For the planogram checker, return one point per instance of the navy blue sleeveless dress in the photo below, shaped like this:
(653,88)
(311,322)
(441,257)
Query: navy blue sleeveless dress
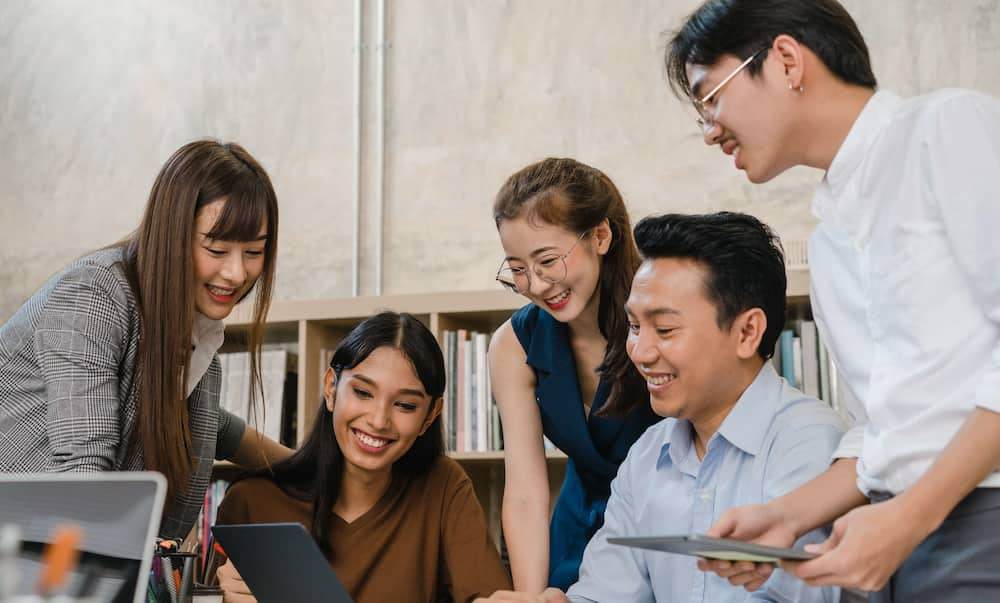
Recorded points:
(595,445)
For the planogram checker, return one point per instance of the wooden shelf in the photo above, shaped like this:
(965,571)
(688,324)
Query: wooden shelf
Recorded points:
(348,311)
(353,309)
(494,456)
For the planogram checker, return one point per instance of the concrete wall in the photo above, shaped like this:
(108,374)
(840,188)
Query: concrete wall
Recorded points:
(94,96)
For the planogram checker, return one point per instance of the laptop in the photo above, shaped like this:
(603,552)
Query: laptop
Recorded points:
(281,563)
(118,514)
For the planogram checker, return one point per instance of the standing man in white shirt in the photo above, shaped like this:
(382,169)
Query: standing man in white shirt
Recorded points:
(905,272)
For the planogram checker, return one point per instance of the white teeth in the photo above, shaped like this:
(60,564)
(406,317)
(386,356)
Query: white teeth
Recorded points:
(367,440)
(659,380)
(221,291)
(555,300)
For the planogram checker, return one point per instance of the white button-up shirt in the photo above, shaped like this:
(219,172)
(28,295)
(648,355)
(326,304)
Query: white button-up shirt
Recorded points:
(905,273)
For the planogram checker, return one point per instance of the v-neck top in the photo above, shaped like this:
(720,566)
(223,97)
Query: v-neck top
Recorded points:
(424,538)
(596,444)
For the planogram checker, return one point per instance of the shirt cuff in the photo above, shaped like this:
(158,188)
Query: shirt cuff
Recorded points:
(850,444)
(231,430)
(988,391)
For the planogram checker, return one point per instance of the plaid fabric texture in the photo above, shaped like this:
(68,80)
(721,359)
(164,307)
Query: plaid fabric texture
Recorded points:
(68,399)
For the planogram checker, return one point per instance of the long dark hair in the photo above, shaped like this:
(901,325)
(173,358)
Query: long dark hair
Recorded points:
(564,192)
(316,469)
(159,265)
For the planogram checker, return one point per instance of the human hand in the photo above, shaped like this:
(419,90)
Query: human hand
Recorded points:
(550,595)
(866,547)
(761,524)
(234,589)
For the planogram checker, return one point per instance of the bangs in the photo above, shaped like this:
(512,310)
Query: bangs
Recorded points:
(246,210)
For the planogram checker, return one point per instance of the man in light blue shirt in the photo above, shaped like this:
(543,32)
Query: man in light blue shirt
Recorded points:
(705,310)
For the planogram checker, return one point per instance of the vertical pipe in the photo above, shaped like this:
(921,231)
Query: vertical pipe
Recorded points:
(356,179)
(380,145)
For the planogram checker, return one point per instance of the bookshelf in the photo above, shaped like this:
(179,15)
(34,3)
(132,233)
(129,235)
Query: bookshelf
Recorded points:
(307,327)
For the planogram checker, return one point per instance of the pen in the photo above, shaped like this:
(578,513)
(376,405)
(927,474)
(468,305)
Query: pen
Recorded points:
(216,557)
(59,558)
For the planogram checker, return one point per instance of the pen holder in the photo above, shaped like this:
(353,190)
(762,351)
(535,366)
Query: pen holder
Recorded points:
(207,594)
(172,577)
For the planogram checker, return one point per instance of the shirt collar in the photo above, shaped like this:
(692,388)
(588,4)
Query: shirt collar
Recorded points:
(207,334)
(828,204)
(748,421)
(744,427)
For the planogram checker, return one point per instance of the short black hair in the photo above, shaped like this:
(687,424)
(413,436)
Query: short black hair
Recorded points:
(743,27)
(743,256)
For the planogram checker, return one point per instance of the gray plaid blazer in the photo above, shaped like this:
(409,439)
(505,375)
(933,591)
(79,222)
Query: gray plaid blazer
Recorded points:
(68,398)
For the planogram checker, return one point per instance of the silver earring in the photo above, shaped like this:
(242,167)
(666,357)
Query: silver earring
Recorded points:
(800,89)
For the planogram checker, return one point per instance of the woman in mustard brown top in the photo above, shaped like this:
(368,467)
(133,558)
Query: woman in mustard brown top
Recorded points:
(398,520)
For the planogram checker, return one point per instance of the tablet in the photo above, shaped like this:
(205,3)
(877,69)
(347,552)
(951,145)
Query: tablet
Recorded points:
(715,548)
(281,563)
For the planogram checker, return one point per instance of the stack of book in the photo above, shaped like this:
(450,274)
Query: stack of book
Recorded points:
(470,417)
(801,358)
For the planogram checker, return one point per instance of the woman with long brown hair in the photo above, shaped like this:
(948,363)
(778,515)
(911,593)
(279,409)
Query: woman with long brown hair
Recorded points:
(112,366)
(558,367)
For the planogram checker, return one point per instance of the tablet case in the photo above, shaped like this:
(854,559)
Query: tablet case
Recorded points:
(281,563)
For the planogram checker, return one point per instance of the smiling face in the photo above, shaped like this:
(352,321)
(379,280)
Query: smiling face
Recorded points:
(379,409)
(694,369)
(224,271)
(533,247)
(751,114)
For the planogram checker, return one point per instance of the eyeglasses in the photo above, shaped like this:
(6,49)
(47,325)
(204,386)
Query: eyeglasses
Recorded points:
(551,268)
(706,107)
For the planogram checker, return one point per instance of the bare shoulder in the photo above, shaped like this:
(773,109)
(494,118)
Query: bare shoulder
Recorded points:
(505,341)
(506,353)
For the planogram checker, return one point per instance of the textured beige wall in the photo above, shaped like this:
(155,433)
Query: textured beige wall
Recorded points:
(95,95)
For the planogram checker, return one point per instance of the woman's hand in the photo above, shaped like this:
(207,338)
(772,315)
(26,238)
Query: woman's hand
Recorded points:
(234,589)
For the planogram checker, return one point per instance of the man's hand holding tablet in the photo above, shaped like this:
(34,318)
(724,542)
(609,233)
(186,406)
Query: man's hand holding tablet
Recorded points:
(760,524)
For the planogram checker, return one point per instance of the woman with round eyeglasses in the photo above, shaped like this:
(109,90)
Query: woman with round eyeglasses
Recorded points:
(558,367)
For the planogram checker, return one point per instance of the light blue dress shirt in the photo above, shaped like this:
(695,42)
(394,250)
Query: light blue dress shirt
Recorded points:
(774,440)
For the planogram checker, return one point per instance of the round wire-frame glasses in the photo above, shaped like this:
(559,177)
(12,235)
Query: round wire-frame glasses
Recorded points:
(550,267)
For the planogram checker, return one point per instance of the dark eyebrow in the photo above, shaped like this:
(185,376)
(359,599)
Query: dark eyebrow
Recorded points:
(371,382)
(654,312)
(698,86)
(696,90)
